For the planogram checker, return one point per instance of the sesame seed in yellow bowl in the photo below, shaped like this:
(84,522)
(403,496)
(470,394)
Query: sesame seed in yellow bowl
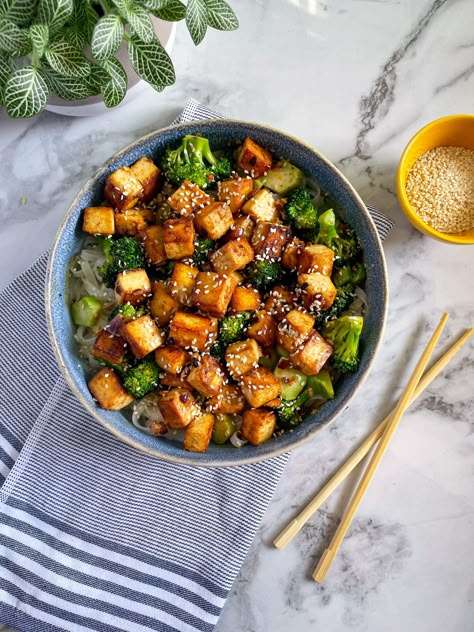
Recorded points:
(435,179)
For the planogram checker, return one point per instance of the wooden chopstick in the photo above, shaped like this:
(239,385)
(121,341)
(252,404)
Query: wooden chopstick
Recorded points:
(331,552)
(293,527)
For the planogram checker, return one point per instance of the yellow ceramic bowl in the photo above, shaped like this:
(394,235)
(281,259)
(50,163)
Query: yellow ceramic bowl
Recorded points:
(455,130)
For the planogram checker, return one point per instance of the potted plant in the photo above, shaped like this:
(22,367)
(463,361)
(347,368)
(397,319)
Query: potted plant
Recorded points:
(71,49)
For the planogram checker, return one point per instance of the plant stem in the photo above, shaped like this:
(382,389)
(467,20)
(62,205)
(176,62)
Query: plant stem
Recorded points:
(36,60)
(106,8)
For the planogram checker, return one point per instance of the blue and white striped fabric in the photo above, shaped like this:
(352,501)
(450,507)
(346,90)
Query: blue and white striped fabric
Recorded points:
(94,535)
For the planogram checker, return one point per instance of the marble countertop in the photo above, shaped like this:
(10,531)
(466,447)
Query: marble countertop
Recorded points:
(355,79)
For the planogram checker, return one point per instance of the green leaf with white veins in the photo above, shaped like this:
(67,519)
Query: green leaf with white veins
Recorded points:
(169,10)
(151,62)
(138,19)
(26,93)
(12,38)
(220,16)
(39,34)
(107,37)
(196,19)
(67,60)
(5,72)
(115,89)
(54,13)
(68,88)
(18,11)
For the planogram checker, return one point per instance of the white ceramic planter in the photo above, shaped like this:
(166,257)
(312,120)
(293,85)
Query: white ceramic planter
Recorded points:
(166,32)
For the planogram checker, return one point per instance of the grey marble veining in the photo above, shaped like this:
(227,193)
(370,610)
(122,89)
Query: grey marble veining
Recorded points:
(356,79)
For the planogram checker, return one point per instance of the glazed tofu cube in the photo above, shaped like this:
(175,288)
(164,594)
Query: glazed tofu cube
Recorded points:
(261,207)
(148,174)
(280,301)
(264,329)
(109,348)
(245,299)
(312,355)
(208,377)
(242,357)
(142,335)
(99,220)
(198,433)
(191,331)
(234,192)
(254,159)
(318,291)
(274,403)
(107,388)
(268,240)
(171,358)
(259,386)
(188,199)
(212,293)
(234,255)
(181,283)
(132,286)
(258,426)
(154,245)
(175,381)
(162,304)
(242,227)
(291,255)
(177,407)
(294,329)
(123,189)
(158,428)
(179,238)
(133,221)
(316,258)
(229,400)
(214,220)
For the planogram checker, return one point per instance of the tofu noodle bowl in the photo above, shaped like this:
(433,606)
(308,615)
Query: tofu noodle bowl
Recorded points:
(218,295)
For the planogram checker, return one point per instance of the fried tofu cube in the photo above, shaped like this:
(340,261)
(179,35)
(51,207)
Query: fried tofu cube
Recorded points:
(181,283)
(234,192)
(188,199)
(158,428)
(192,331)
(259,386)
(178,407)
(99,220)
(242,357)
(234,255)
(208,377)
(214,220)
(268,240)
(171,358)
(253,158)
(312,355)
(245,299)
(109,348)
(258,426)
(274,403)
(229,400)
(318,290)
(242,227)
(107,388)
(133,221)
(291,255)
(212,292)
(123,189)
(175,381)
(198,433)
(162,304)
(179,238)
(132,286)
(294,329)
(316,258)
(264,329)
(261,207)
(280,301)
(148,174)
(142,335)
(154,245)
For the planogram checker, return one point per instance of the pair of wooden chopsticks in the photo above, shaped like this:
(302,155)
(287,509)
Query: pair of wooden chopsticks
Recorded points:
(382,434)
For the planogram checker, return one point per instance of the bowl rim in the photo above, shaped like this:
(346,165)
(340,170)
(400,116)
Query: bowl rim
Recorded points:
(191,458)
(412,215)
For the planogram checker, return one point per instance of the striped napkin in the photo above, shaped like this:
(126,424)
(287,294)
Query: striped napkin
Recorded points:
(95,535)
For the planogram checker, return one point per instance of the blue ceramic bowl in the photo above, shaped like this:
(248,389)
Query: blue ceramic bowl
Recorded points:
(68,243)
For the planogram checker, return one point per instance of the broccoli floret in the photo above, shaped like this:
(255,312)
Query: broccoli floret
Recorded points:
(349,275)
(122,254)
(141,379)
(344,333)
(263,274)
(344,297)
(341,238)
(289,413)
(202,248)
(218,350)
(165,271)
(300,211)
(127,311)
(232,328)
(193,160)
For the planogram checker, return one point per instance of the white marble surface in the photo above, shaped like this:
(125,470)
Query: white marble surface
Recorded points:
(355,78)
